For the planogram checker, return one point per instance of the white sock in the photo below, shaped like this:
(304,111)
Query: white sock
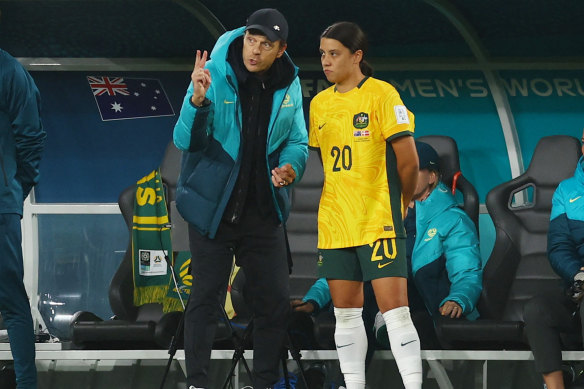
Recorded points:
(351,342)
(405,346)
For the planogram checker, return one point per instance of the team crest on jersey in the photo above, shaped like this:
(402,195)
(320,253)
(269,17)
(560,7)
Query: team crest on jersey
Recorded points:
(431,233)
(361,120)
(287,103)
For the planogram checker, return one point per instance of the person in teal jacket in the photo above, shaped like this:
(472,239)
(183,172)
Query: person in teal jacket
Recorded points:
(22,140)
(215,144)
(555,313)
(444,263)
(244,142)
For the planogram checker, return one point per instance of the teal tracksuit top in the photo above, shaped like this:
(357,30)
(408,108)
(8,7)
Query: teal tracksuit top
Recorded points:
(210,137)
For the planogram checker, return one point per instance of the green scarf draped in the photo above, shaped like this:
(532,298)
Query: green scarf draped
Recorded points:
(152,248)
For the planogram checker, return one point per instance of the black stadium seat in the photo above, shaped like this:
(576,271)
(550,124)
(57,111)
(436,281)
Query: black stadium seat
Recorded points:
(144,326)
(518,267)
(302,226)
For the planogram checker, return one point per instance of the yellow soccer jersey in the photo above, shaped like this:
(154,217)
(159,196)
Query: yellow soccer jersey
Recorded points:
(361,200)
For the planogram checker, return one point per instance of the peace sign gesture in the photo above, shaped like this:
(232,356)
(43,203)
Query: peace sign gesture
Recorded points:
(201,78)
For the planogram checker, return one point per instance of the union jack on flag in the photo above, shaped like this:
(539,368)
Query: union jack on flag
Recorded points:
(120,98)
(109,85)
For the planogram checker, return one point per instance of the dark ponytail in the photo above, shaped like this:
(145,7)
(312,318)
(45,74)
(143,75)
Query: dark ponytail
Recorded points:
(366,69)
(353,38)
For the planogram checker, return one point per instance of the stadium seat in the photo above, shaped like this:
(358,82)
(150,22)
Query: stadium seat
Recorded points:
(147,326)
(518,267)
(302,226)
(132,326)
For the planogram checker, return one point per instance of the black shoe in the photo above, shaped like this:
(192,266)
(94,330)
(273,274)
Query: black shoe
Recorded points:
(573,376)
(315,376)
(7,377)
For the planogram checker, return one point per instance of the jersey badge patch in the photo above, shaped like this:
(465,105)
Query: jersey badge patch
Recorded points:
(361,120)
(401,114)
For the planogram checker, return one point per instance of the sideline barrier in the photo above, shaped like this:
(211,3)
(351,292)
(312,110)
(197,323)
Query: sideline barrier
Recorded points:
(54,352)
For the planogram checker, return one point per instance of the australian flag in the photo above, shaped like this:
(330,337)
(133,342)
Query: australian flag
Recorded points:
(129,98)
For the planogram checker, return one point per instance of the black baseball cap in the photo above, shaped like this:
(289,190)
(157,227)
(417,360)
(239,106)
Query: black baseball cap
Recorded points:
(269,21)
(427,156)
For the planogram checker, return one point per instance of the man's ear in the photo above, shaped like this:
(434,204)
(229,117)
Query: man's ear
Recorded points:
(281,49)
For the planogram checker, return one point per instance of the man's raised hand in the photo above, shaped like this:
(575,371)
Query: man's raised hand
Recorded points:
(201,79)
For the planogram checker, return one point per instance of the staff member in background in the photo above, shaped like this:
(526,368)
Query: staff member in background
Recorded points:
(444,261)
(22,141)
(548,315)
(244,138)
(364,134)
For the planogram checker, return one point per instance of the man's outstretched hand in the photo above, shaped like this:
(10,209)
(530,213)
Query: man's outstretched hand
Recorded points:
(201,79)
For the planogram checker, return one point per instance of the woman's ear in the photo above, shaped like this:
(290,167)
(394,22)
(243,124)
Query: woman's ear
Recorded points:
(433,177)
(358,56)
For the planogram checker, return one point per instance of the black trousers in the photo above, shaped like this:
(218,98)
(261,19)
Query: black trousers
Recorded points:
(260,250)
(548,319)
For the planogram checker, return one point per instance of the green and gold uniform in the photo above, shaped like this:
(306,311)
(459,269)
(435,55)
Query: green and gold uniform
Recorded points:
(361,200)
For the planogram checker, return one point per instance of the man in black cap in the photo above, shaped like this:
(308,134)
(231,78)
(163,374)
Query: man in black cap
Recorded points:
(244,142)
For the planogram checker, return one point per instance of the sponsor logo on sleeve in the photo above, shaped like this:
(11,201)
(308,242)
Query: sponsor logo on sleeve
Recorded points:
(401,114)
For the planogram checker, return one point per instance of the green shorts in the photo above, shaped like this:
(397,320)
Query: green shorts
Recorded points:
(383,258)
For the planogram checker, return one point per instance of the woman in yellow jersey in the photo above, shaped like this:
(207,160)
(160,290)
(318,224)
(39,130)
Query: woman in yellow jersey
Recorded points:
(364,134)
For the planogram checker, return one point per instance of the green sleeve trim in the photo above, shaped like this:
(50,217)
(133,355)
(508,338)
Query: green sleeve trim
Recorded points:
(399,135)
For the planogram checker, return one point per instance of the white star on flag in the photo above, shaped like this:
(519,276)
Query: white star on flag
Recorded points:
(119,98)
(117,107)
